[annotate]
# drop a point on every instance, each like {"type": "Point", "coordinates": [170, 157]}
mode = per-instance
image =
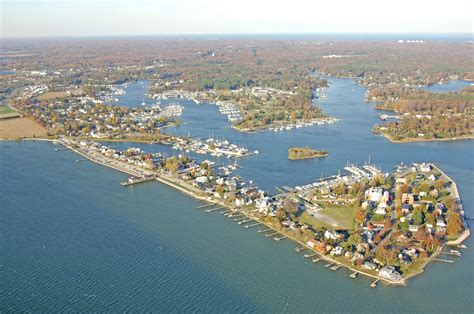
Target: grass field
{"type": "Point", "coordinates": [51, 95]}
{"type": "Point", "coordinates": [6, 110]}
{"type": "Point", "coordinates": [343, 215]}
{"type": "Point", "coordinates": [18, 128]}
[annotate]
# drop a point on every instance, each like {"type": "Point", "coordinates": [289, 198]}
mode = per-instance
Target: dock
{"type": "Point", "coordinates": [354, 275]}
{"type": "Point", "coordinates": [264, 230]}
{"type": "Point", "coordinates": [443, 260]}
{"type": "Point", "coordinates": [315, 260]}
{"type": "Point", "coordinates": [279, 238]}
{"type": "Point", "coordinates": [299, 249]}
{"type": "Point", "coordinates": [271, 234]}
{"type": "Point", "coordinates": [374, 284]}
{"type": "Point", "coordinates": [455, 253]}
{"type": "Point", "coordinates": [244, 221]}
{"type": "Point", "coordinates": [136, 180]}
{"type": "Point", "coordinates": [328, 265]}
{"type": "Point", "coordinates": [310, 255]}
{"type": "Point", "coordinates": [214, 209]}
{"type": "Point", "coordinates": [206, 205]}
{"type": "Point", "coordinates": [334, 268]}
{"type": "Point", "coordinates": [253, 225]}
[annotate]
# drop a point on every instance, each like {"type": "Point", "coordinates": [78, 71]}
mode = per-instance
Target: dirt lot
{"type": "Point", "coordinates": [18, 128]}
{"type": "Point", "coordinates": [51, 95]}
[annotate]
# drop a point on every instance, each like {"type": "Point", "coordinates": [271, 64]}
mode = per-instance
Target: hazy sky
{"type": "Point", "coordinates": [120, 17]}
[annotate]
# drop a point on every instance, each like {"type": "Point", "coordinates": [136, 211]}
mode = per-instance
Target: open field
{"type": "Point", "coordinates": [12, 129]}
{"type": "Point", "coordinates": [51, 95]}
{"type": "Point", "coordinates": [330, 217]}
{"type": "Point", "coordinates": [6, 110]}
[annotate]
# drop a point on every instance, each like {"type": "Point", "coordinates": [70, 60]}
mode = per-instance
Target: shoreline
{"type": "Point", "coordinates": [188, 190]}
{"type": "Point", "coordinates": [418, 140]}
{"type": "Point", "coordinates": [198, 195]}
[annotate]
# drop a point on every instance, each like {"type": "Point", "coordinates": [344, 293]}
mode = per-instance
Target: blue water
{"type": "Point", "coordinates": [72, 238]}
{"type": "Point", "coordinates": [448, 87]}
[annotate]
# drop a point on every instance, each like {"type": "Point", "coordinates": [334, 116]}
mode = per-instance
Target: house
{"type": "Point", "coordinates": [337, 251]}
{"type": "Point", "coordinates": [408, 198]}
{"type": "Point", "coordinates": [312, 243]}
{"type": "Point", "coordinates": [425, 167]}
{"type": "Point", "coordinates": [389, 272]}
{"type": "Point", "coordinates": [369, 265]}
{"type": "Point", "coordinates": [202, 179]}
{"type": "Point", "coordinates": [331, 235]}
{"type": "Point", "coordinates": [381, 209]}
{"type": "Point", "coordinates": [374, 194]}
{"type": "Point", "coordinates": [406, 208]}
{"type": "Point", "coordinates": [432, 177]}
{"type": "Point", "coordinates": [413, 228]}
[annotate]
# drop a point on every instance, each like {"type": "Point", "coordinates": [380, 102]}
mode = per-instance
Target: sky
{"type": "Point", "coordinates": [32, 18]}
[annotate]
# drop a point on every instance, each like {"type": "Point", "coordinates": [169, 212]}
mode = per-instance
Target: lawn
{"type": "Point", "coordinates": [343, 215]}
{"type": "Point", "coordinates": [51, 95]}
{"type": "Point", "coordinates": [6, 110]}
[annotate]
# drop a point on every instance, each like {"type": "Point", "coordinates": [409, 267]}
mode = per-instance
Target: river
{"type": "Point", "coordinates": [73, 239]}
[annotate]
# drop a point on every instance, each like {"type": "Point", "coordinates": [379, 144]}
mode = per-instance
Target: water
{"type": "Point", "coordinates": [448, 87]}
{"type": "Point", "coordinates": [73, 239]}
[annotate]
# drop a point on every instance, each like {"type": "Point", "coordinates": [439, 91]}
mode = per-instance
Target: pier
{"type": "Point", "coordinates": [253, 225]}
{"type": "Point", "coordinates": [315, 260]}
{"type": "Point", "coordinates": [279, 238]}
{"type": "Point", "coordinates": [214, 209]}
{"type": "Point", "coordinates": [353, 275]}
{"type": "Point", "coordinates": [206, 205]}
{"type": "Point", "coordinates": [328, 265]}
{"type": "Point", "coordinates": [136, 180]}
{"type": "Point", "coordinates": [374, 284]}
{"type": "Point", "coordinates": [271, 234]}
{"type": "Point", "coordinates": [264, 230]}
{"type": "Point", "coordinates": [310, 255]}
{"type": "Point", "coordinates": [334, 268]}
{"type": "Point", "coordinates": [443, 260]}
{"type": "Point", "coordinates": [299, 249]}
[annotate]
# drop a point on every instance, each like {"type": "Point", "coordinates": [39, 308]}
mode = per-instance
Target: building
{"type": "Point", "coordinates": [389, 272]}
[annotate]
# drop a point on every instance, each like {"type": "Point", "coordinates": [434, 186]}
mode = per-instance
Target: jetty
{"type": "Point", "coordinates": [310, 255]}
{"type": "Point", "coordinates": [328, 265]}
{"type": "Point", "coordinates": [207, 205]}
{"type": "Point", "coordinates": [214, 209]}
{"type": "Point", "coordinates": [315, 260]}
{"type": "Point", "coordinates": [264, 230]}
{"type": "Point", "coordinates": [280, 238]}
{"type": "Point", "coordinates": [271, 234]}
{"type": "Point", "coordinates": [353, 275]}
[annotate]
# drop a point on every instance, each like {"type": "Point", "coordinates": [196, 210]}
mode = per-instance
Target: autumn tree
{"type": "Point", "coordinates": [359, 216]}
{"type": "Point", "coordinates": [454, 223]}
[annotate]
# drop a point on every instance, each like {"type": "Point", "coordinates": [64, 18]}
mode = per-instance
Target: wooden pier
{"type": "Point", "coordinates": [264, 230]}
{"type": "Point", "coordinates": [244, 221]}
{"type": "Point", "coordinates": [336, 267]}
{"type": "Point", "coordinates": [310, 255]}
{"type": "Point", "coordinates": [271, 234]}
{"type": "Point", "coordinates": [279, 238]}
{"type": "Point", "coordinates": [354, 275]}
{"type": "Point", "coordinates": [443, 260]}
{"type": "Point", "coordinates": [136, 180]}
{"type": "Point", "coordinates": [315, 260]}
{"type": "Point", "coordinates": [299, 249]}
{"type": "Point", "coordinates": [328, 265]}
{"type": "Point", "coordinates": [214, 209]}
{"type": "Point", "coordinates": [374, 284]}
{"type": "Point", "coordinates": [206, 205]}
{"type": "Point", "coordinates": [458, 254]}
{"type": "Point", "coordinates": [253, 225]}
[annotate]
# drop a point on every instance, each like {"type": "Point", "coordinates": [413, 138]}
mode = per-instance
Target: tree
{"type": "Point", "coordinates": [417, 217]}
{"type": "Point", "coordinates": [387, 224]}
{"type": "Point", "coordinates": [220, 190]}
{"type": "Point", "coordinates": [454, 223]}
{"type": "Point", "coordinates": [439, 184]}
{"type": "Point", "coordinates": [359, 216]}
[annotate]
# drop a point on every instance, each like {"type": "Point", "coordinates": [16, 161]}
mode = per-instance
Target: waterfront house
{"type": "Point", "coordinates": [369, 265]}
{"type": "Point", "coordinates": [389, 272]}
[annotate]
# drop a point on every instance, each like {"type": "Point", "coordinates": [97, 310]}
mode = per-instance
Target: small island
{"type": "Point", "coordinates": [296, 153]}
